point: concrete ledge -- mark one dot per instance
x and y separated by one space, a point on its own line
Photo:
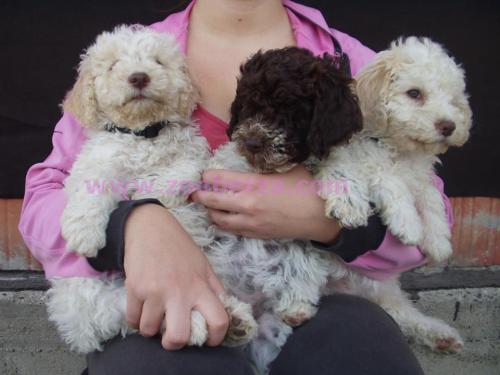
427 278
30 346
22 280
422 279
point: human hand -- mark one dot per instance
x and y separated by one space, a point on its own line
167 276
270 206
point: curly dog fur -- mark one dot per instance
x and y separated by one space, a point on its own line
414 106
290 92
130 78
290 107
280 119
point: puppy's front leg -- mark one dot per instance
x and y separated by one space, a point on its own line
436 240
296 286
396 204
345 194
170 185
92 195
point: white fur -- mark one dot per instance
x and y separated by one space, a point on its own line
394 172
391 163
422 329
177 155
86 311
282 279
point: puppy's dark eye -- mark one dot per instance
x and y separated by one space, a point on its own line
159 62
414 94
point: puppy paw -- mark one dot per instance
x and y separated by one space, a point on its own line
83 236
436 335
242 325
439 249
298 313
444 339
407 228
449 345
199 331
351 214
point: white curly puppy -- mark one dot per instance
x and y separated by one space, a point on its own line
414 106
135 98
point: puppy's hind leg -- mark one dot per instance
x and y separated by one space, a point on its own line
423 329
87 311
298 313
242 325
298 286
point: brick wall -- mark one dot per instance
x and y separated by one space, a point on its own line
14 255
476 234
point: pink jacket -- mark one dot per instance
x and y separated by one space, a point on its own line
44 198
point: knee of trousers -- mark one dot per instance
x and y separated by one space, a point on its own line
139 355
345 307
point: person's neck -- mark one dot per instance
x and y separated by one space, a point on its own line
238 17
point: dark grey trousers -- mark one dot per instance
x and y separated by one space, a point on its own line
348 336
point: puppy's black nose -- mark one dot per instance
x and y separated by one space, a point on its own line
445 128
254 145
139 80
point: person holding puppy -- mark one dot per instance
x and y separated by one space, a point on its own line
167 276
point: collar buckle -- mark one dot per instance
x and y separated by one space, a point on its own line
150 131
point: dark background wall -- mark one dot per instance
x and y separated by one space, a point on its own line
40 43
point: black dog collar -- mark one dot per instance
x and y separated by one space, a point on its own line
150 131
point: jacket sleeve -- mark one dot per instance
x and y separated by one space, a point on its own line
44 202
352 243
110 258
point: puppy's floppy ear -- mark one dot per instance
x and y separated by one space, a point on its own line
236 108
371 87
189 95
81 101
336 115
251 74
463 131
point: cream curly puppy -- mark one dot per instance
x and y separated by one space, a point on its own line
415 107
135 98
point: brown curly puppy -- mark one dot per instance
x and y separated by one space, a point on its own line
291 105
290 108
